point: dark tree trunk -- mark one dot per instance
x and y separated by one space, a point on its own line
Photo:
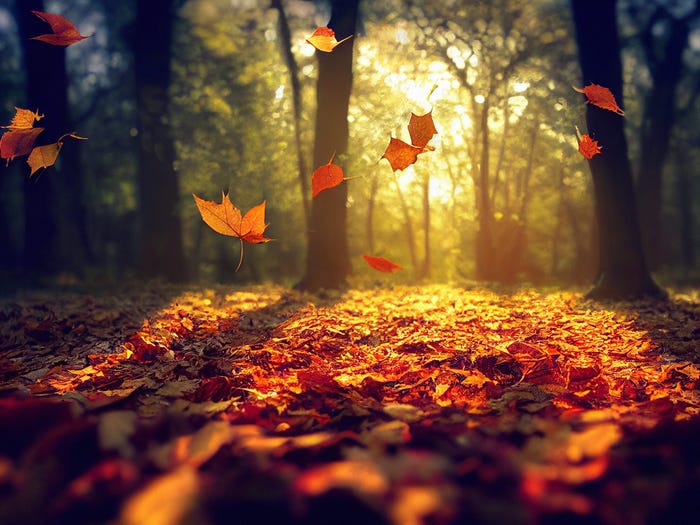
327 260
684 189
622 271
55 233
162 252
665 66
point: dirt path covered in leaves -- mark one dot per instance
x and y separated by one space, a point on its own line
405 406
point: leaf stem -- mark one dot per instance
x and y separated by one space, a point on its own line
240 259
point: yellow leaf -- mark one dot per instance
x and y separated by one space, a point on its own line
43 156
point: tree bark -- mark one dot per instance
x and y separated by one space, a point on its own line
162 253
327 260
293 68
484 240
622 272
55 231
665 68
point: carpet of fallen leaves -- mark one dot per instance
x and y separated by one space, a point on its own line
410 405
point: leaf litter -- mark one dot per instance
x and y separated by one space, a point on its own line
426 404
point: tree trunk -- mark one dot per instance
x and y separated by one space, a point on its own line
686 232
292 66
55 232
425 267
622 273
162 253
657 123
327 260
484 241
369 225
408 227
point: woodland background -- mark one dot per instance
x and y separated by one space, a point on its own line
504 107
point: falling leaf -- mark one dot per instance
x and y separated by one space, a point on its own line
64 32
600 96
325 177
381 264
24 119
588 147
18 142
45 156
226 219
323 39
400 154
421 128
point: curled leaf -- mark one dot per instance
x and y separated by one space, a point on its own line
323 39
381 264
325 177
588 147
600 96
64 32
23 119
45 156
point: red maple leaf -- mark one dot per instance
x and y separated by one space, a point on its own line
325 177
600 96
381 264
588 147
64 32
400 154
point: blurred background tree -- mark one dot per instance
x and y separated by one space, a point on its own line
504 197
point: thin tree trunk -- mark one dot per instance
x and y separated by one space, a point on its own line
501 156
684 191
293 68
524 190
484 241
369 226
408 227
556 236
425 267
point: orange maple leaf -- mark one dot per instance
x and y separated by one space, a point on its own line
600 96
400 154
18 142
323 39
226 219
325 177
64 32
421 128
45 156
588 147
23 119
381 264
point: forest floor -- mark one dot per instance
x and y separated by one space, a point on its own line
405 406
